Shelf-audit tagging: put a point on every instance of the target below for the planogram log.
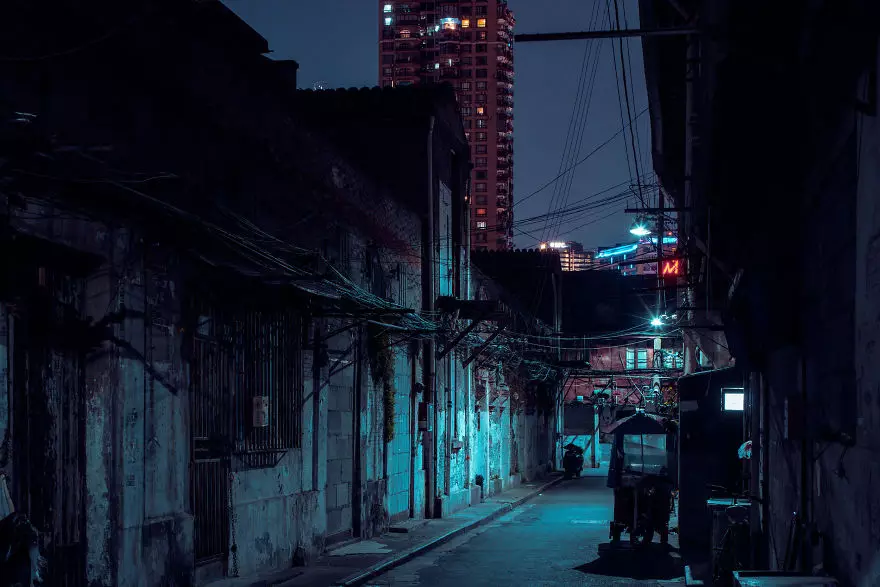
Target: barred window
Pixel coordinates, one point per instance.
(247, 384)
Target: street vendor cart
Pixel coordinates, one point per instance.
(643, 473)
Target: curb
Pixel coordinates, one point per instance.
(384, 566)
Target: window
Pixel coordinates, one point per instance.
(482, 60)
(481, 136)
(466, 86)
(388, 59)
(467, 73)
(466, 111)
(388, 21)
(481, 237)
(387, 8)
(482, 212)
(465, 23)
(481, 225)
(482, 200)
(466, 48)
(466, 99)
(481, 174)
(466, 122)
(480, 187)
(387, 71)
(481, 11)
(467, 61)
(482, 161)
(481, 48)
(482, 98)
(481, 149)
(482, 123)
(481, 85)
(482, 73)
(467, 136)
(388, 46)
(642, 359)
(405, 33)
(481, 111)
(264, 402)
(482, 36)
(481, 23)
(630, 359)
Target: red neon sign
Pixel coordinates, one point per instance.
(672, 267)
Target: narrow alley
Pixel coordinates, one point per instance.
(558, 538)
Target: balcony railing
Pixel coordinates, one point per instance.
(504, 76)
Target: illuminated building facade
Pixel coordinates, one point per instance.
(571, 254)
(636, 258)
(468, 44)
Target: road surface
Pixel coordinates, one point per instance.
(557, 538)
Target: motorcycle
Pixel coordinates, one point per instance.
(21, 564)
(573, 461)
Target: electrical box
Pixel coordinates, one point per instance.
(424, 419)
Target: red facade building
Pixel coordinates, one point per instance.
(468, 44)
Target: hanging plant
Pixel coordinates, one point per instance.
(381, 356)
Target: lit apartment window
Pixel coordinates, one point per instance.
(405, 34)
(388, 21)
(481, 111)
(481, 123)
(481, 85)
(482, 212)
(481, 225)
(481, 23)
(482, 36)
(642, 359)
(481, 136)
(466, 111)
(465, 86)
(465, 23)
(480, 187)
(387, 8)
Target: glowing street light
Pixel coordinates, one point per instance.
(639, 230)
(656, 322)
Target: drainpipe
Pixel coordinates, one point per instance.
(430, 455)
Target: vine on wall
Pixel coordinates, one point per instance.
(381, 356)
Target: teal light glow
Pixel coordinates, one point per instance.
(617, 251)
(667, 240)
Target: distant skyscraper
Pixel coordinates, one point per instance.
(469, 44)
(572, 255)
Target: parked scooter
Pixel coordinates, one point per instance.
(573, 461)
(20, 560)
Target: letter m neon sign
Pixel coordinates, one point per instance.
(672, 267)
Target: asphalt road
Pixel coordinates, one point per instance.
(557, 538)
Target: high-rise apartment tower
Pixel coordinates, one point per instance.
(468, 44)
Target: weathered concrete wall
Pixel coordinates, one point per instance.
(841, 369)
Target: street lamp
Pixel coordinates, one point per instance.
(639, 229)
(657, 322)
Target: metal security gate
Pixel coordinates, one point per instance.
(48, 420)
(211, 421)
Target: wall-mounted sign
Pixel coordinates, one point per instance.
(261, 411)
(672, 267)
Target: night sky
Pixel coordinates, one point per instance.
(335, 41)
